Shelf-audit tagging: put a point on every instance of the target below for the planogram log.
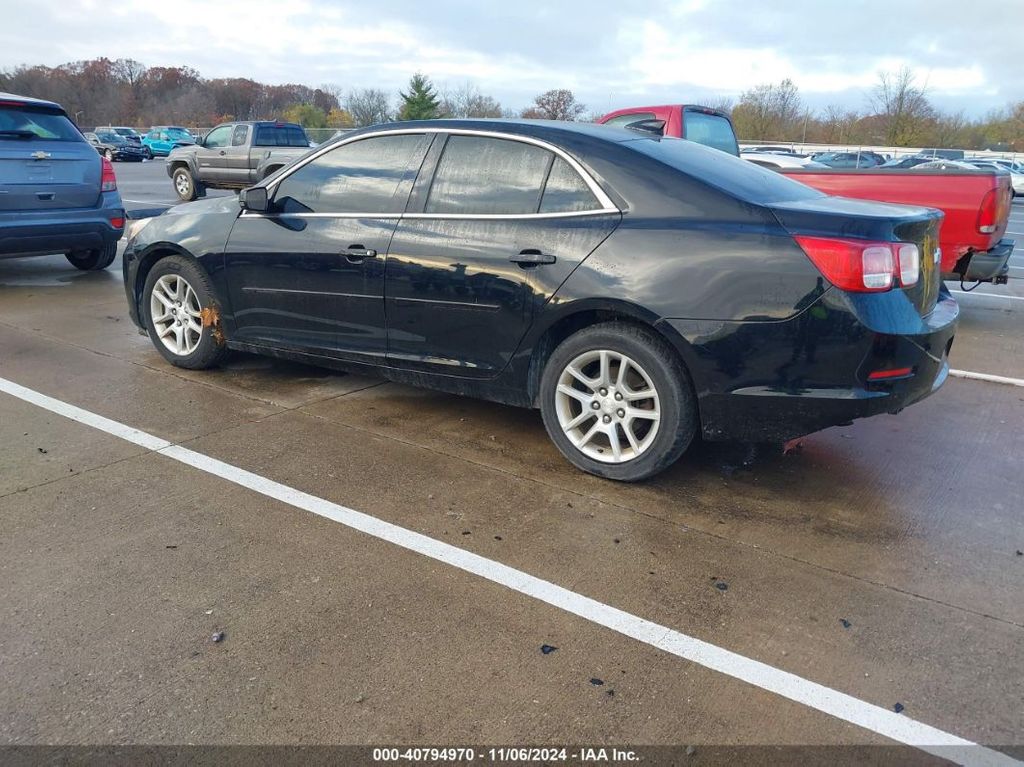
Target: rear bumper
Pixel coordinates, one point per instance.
(49, 232)
(991, 265)
(774, 381)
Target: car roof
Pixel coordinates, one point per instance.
(29, 101)
(550, 129)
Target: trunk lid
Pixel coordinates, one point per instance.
(883, 222)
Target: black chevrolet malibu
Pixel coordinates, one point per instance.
(639, 290)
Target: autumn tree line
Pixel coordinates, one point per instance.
(896, 111)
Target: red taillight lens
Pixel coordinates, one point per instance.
(994, 208)
(863, 266)
(886, 375)
(108, 181)
(117, 223)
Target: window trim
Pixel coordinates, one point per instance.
(607, 206)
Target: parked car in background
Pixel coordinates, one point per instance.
(975, 202)
(129, 134)
(906, 162)
(848, 159)
(638, 291)
(945, 154)
(1016, 172)
(234, 156)
(57, 195)
(776, 160)
(702, 125)
(161, 141)
(115, 147)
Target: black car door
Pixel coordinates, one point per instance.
(484, 243)
(309, 274)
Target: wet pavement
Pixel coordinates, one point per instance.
(880, 559)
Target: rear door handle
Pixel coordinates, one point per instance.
(358, 253)
(532, 257)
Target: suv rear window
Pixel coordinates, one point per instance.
(27, 123)
(280, 135)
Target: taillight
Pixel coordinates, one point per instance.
(993, 210)
(117, 223)
(863, 266)
(108, 181)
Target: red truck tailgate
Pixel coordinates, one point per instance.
(959, 194)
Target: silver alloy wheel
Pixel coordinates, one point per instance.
(607, 406)
(182, 184)
(176, 313)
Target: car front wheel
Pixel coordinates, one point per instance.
(184, 185)
(618, 402)
(182, 314)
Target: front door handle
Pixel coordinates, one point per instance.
(358, 253)
(222, 153)
(532, 257)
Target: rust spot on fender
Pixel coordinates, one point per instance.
(211, 319)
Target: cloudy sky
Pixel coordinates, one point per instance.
(611, 54)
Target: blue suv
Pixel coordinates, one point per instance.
(161, 140)
(57, 195)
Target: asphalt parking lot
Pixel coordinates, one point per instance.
(881, 560)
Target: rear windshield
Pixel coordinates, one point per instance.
(26, 123)
(710, 130)
(280, 135)
(732, 175)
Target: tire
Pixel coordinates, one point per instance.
(197, 342)
(646, 446)
(185, 185)
(94, 260)
(147, 153)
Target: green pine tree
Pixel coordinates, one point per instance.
(421, 102)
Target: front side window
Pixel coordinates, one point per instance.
(489, 176)
(239, 135)
(218, 137)
(566, 191)
(359, 177)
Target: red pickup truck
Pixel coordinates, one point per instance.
(976, 204)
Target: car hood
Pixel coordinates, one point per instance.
(208, 206)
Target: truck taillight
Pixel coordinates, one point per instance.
(863, 266)
(993, 209)
(108, 181)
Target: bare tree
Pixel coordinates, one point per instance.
(557, 104)
(368, 106)
(769, 112)
(902, 105)
(468, 101)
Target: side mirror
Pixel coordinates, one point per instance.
(255, 198)
(201, 140)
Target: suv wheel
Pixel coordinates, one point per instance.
(94, 260)
(147, 152)
(182, 314)
(617, 402)
(185, 185)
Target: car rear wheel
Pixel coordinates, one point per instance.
(617, 402)
(147, 153)
(184, 185)
(182, 314)
(94, 260)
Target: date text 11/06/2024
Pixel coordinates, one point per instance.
(584, 755)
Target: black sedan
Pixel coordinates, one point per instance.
(116, 147)
(639, 290)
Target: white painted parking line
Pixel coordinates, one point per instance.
(150, 202)
(980, 294)
(987, 377)
(879, 720)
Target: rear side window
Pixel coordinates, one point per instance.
(566, 191)
(488, 176)
(710, 130)
(360, 177)
(280, 135)
(25, 124)
(240, 134)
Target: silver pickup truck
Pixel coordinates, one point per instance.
(234, 156)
